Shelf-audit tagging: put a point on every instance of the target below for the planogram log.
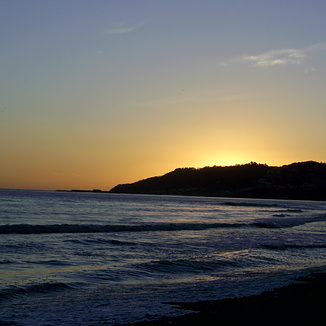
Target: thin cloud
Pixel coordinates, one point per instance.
(279, 57)
(123, 28)
(276, 57)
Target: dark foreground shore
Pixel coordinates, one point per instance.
(303, 303)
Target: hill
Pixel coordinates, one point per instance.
(303, 180)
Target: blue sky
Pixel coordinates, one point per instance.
(95, 93)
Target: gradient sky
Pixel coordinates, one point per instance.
(99, 92)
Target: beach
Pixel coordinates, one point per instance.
(302, 303)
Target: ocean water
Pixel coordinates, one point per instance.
(102, 259)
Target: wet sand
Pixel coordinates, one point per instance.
(302, 303)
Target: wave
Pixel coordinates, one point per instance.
(284, 213)
(14, 291)
(102, 241)
(291, 246)
(184, 266)
(294, 210)
(94, 228)
(53, 262)
(278, 222)
(246, 204)
(282, 222)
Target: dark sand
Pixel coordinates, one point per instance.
(303, 303)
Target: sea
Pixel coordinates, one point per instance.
(88, 258)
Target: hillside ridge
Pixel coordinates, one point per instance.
(300, 180)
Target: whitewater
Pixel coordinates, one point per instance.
(104, 259)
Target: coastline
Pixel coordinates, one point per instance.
(301, 303)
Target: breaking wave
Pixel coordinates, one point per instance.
(282, 222)
(112, 228)
(94, 228)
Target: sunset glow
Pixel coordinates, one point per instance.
(97, 93)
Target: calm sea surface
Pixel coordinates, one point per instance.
(100, 259)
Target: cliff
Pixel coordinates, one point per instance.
(304, 180)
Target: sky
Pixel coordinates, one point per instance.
(94, 93)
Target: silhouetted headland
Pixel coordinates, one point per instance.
(303, 180)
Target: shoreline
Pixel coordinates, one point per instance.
(99, 191)
(301, 303)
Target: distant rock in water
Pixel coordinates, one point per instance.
(304, 180)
